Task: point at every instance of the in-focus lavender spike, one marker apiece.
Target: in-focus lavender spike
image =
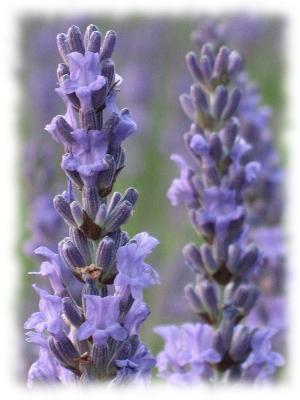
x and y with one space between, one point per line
89 333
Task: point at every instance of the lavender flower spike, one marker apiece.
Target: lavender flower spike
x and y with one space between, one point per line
228 263
87 326
265 199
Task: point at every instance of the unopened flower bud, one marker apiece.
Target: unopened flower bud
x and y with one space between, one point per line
241 343
193 66
108 45
193 257
75 40
209 296
71 312
219 101
232 104
118 216
105 253
63 208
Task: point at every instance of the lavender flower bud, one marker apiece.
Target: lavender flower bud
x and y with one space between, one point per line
118 216
193 300
245 298
237 180
71 255
94 43
193 257
114 200
227 326
187 105
83 244
208 51
229 133
210 173
220 248
75 178
234 63
232 104
105 254
64 130
63 47
215 147
88 33
208 259
248 260
106 177
90 119
108 71
219 101
130 195
100 357
205 68
209 296
200 98
64 350
206 227
221 61
71 312
98 98
75 40
77 213
193 66
63 208
90 201
101 215
108 45
241 343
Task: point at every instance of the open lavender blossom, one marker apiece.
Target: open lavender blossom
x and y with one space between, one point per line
87 326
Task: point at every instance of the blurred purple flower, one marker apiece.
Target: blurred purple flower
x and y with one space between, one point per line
262 362
187 354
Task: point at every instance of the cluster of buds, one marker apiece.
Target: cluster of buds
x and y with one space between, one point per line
88 322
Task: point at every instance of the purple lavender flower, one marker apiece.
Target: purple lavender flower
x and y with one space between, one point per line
90 325
47 370
101 322
188 353
134 274
49 317
262 362
182 191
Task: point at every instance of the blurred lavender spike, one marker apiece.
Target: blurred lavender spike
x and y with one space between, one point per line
228 261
